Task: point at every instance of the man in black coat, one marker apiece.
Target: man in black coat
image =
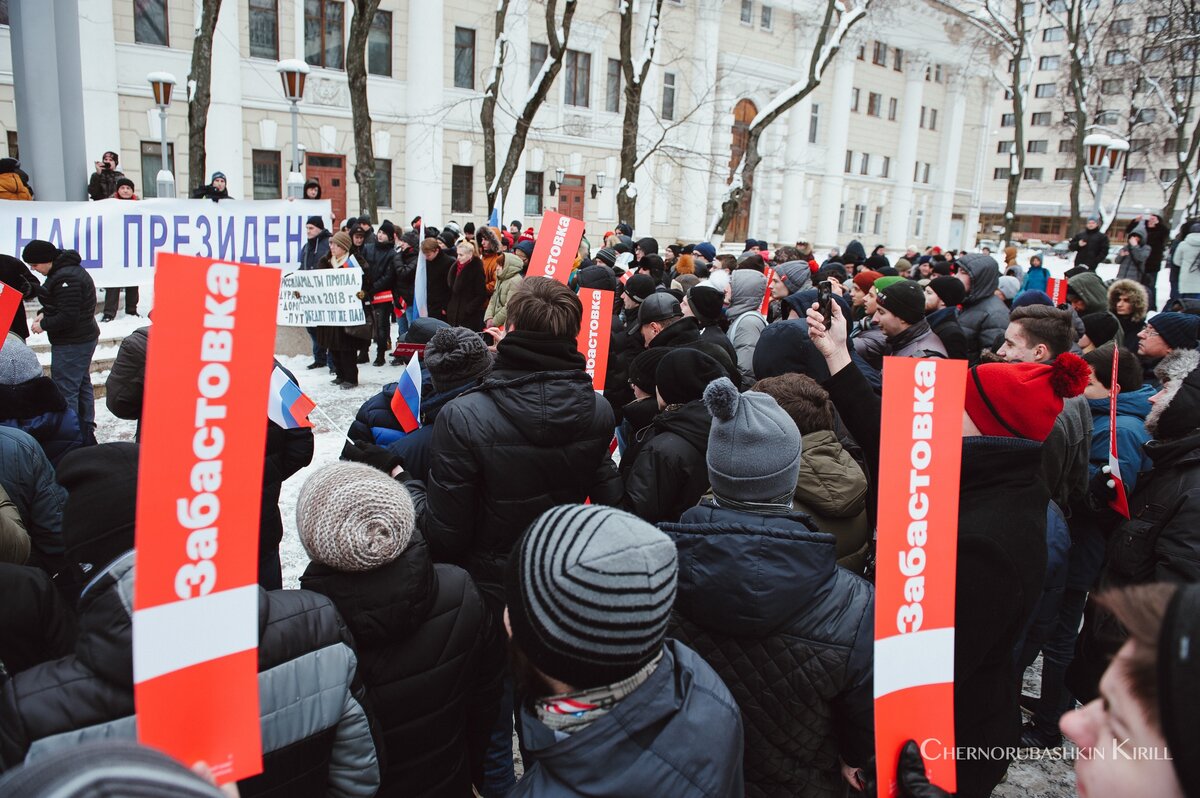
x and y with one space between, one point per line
404 279
68 316
438 262
1157 233
216 190
943 295
378 256
1090 245
315 248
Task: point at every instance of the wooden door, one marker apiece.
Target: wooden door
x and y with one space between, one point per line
570 196
743 114
330 171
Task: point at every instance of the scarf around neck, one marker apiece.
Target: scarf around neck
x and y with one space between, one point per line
538 351
576 711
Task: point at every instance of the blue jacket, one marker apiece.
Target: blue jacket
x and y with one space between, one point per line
678 734
28 479
38 408
1036 279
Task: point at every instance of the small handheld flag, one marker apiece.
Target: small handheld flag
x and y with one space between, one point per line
406 401
287 405
420 284
1120 502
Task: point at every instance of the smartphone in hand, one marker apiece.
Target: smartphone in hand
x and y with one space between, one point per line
825 302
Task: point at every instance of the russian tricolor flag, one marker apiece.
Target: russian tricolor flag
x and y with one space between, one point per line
406 401
287 405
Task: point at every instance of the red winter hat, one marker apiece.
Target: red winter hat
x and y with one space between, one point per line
865 279
1022 400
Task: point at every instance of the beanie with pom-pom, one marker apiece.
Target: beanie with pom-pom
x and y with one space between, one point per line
753 446
1022 400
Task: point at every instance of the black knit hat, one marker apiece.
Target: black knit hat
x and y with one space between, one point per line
639 286
316 221
456 356
597 275
98 515
643 370
904 298
388 229
38 251
125 181
706 303
423 329
1129 369
949 289
590 591
1100 328
1178 330
607 256
684 373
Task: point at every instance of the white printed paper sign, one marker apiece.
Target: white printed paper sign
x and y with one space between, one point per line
321 298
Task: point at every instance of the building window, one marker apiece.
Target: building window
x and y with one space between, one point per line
1066 146
1112 86
917 172
864 164
1135 145
765 20
892 105
533 193
919 224
886 169
1108 118
877 228
925 173
538 53
379 45
462 184
923 115
1004 147
3 12
1040 119
383 182
879 56
1168 175
612 97
579 78
1054 34
1008 120
668 97
1156 24
150 22
1145 116
933 119
862 56
849 161
264 29
1063 173
874 104
1152 54
1033 173
1135 175
1116 57
151 163
1038 146
464 58
860 219
897 59
1049 63
854 99
1172 146
814 122
1000 173
323 42
14 148
266 171
1023 64
747 12
1045 90
937 73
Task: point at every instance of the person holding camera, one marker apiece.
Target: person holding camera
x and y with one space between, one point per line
103 183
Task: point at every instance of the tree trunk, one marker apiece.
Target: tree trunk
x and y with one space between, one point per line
487 111
201 73
1075 34
1018 106
635 81
356 74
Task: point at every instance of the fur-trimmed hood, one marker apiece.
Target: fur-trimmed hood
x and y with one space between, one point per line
1138 297
1174 414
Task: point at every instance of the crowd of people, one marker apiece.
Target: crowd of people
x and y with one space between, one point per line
663 588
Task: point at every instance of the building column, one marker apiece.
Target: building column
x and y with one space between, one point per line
424 164
98 49
900 221
971 225
48 88
948 155
837 132
224 138
697 216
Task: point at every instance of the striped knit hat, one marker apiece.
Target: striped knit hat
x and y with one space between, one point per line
589 593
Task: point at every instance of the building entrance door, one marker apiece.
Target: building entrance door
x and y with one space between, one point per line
570 196
330 171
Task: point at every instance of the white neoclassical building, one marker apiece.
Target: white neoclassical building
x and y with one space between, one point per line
889 149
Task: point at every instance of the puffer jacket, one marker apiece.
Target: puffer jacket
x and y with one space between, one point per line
126 383
790 633
430 664
549 423
1186 258
38 408
12 187
375 422
378 268
944 323
1132 265
28 479
832 490
316 737
984 316
868 341
919 340
669 473
746 324
314 249
508 279
68 298
648 744
1090 247
1065 453
1036 279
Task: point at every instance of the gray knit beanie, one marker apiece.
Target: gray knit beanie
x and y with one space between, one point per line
456 356
589 591
353 517
18 363
753 445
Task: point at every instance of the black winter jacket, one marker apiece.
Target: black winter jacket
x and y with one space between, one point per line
311 747
686 333
68 298
669 474
437 284
1090 247
378 268
468 295
944 323
522 442
431 665
126 383
762 599
1001 569
404 276
37 624
314 250
38 408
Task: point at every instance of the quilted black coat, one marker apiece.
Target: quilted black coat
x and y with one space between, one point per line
667 473
762 600
430 663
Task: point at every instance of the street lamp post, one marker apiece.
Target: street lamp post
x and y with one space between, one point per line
162 84
292 73
1105 156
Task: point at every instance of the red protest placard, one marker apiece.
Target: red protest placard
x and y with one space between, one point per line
1056 287
557 245
921 449
10 302
195 620
595 333
766 303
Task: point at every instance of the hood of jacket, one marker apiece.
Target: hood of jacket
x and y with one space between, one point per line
855 252
30 399
105 640
510 269
488 234
549 407
1131 403
748 288
386 604
985 276
65 260
1089 287
830 482
1134 291
692 422
785 348
743 574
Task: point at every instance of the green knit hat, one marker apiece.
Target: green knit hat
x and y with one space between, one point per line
884 282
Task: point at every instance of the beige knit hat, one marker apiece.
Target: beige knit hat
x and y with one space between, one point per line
353 517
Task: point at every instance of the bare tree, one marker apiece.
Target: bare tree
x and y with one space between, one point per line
634 71
838 18
1004 25
356 76
200 91
556 35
